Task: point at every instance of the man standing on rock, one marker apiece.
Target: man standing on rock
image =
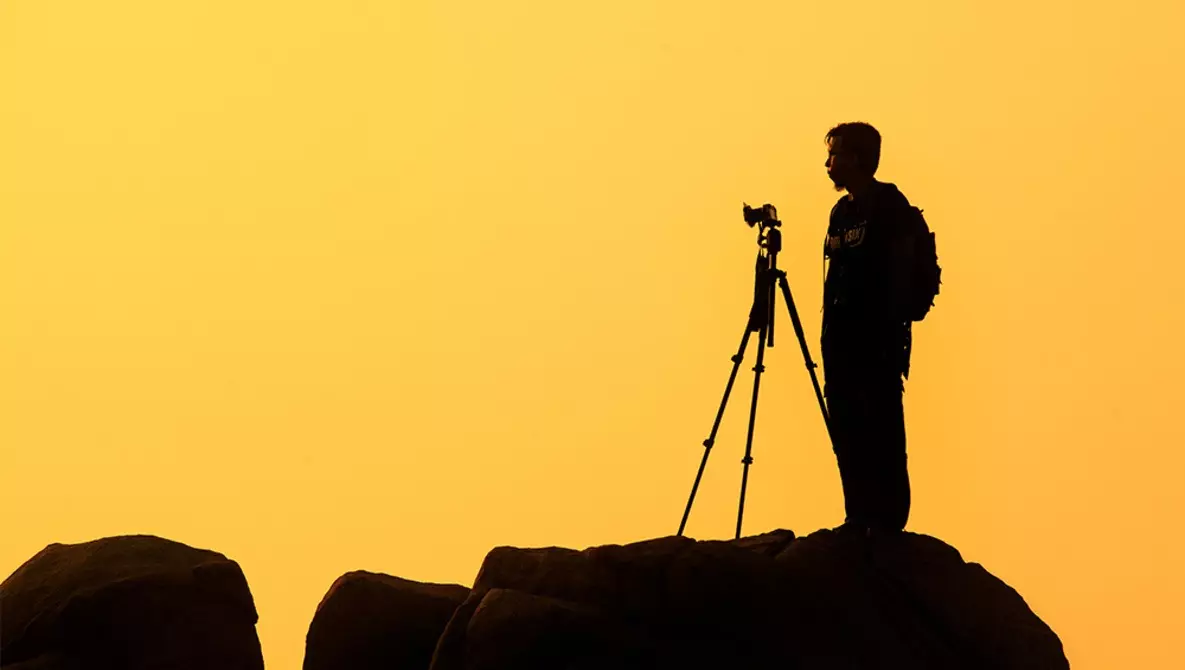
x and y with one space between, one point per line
870 297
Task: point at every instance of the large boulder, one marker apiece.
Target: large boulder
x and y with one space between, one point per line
372 621
128 602
822 601
912 597
667 602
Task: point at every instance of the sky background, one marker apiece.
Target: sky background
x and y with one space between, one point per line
327 286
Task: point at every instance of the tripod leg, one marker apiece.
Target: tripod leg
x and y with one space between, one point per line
736 364
771 305
806 352
757 369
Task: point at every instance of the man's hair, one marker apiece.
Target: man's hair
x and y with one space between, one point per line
861 139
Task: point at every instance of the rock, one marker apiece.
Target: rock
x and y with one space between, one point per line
827 600
668 601
128 602
52 661
823 601
957 606
450 648
512 629
913 596
769 544
369 620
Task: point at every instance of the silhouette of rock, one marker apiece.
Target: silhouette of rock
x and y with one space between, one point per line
374 621
512 629
128 602
823 601
48 662
827 600
913 597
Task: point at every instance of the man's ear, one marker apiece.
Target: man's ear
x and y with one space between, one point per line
858 165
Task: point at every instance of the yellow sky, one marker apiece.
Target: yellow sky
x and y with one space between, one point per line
347 285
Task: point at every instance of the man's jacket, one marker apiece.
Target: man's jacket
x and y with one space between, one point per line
864 331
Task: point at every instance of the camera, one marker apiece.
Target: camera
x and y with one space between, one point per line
765 215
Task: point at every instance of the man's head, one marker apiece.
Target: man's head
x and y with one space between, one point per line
853 154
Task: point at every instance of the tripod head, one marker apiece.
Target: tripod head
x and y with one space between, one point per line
766 218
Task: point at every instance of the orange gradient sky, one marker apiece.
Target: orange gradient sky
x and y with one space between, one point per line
344 285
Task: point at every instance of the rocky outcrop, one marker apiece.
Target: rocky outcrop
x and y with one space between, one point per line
827 600
128 602
823 601
370 621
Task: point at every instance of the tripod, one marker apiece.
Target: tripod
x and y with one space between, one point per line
761 321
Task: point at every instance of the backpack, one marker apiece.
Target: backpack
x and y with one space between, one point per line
925 275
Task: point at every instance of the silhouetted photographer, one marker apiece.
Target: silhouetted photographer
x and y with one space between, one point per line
882 276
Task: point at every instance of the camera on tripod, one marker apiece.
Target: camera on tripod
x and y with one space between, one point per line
766 215
766 280
768 237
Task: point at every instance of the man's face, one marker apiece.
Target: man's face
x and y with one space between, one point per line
841 164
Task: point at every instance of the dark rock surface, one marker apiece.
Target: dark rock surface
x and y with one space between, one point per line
823 601
128 602
374 621
827 600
